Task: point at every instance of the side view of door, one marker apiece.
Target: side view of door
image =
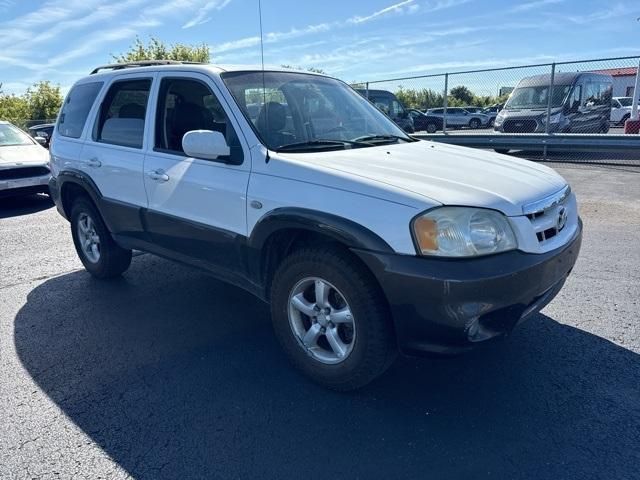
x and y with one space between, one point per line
113 153
196 207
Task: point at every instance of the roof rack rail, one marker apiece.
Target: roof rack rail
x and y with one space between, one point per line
141 63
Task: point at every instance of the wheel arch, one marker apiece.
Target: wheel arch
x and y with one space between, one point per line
283 230
73 183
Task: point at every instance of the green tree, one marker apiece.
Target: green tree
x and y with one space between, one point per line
43 100
421 99
40 102
462 94
158 50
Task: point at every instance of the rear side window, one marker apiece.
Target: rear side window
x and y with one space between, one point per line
122 114
76 109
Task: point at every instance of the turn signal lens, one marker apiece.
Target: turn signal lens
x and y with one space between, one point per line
426 231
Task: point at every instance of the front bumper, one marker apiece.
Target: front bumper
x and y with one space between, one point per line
450 305
25 185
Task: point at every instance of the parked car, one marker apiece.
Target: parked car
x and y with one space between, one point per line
391 106
492 113
363 239
620 110
580 103
458 117
24 164
473 109
44 131
423 122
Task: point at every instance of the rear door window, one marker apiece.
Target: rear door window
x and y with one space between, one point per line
122 113
76 108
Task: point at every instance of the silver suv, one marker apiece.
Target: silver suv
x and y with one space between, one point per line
459 117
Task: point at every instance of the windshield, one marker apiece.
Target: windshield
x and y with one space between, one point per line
625 101
10 136
308 112
537 97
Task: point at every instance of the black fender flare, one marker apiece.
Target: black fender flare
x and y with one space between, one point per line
81 179
343 230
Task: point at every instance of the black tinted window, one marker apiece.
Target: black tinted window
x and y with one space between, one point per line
122 113
185 105
76 108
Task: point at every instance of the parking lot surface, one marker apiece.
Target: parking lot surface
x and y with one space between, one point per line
168 373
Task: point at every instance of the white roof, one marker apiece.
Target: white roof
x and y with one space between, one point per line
193 67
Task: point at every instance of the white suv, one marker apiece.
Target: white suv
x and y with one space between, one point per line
364 240
620 110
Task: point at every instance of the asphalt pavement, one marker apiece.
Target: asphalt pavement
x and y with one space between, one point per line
170 374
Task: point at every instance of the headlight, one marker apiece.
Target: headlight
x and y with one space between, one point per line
499 119
552 119
462 232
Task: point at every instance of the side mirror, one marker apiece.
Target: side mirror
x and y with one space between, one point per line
404 114
205 144
41 140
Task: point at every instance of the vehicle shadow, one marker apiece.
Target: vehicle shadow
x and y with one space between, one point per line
176 375
24 205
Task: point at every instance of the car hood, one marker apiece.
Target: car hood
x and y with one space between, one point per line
23 155
445 174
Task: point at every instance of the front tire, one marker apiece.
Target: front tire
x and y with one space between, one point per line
474 124
331 318
431 128
98 252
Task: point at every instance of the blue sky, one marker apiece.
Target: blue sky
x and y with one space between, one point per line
62 40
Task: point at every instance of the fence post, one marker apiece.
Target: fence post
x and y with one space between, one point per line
367 90
549 103
636 96
444 103
549 97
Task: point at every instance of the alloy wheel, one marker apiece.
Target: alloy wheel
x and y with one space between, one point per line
89 238
321 320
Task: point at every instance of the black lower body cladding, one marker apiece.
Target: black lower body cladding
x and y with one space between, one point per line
450 305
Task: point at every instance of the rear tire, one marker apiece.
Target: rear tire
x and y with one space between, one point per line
431 128
624 119
98 252
365 348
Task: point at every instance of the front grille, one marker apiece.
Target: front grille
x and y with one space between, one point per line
549 217
519 126
23 172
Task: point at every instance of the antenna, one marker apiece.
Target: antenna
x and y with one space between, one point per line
264 87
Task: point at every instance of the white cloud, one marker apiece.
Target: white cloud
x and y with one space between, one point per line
392 8
203 15
523 7
605 14
272 37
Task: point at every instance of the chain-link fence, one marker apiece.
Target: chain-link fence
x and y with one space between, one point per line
543 101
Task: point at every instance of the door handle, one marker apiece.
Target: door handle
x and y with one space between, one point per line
158 175
94 162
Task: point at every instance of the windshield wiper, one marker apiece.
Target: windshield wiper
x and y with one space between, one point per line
382 138
321 143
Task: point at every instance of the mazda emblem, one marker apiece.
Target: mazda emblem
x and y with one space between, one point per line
562 218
